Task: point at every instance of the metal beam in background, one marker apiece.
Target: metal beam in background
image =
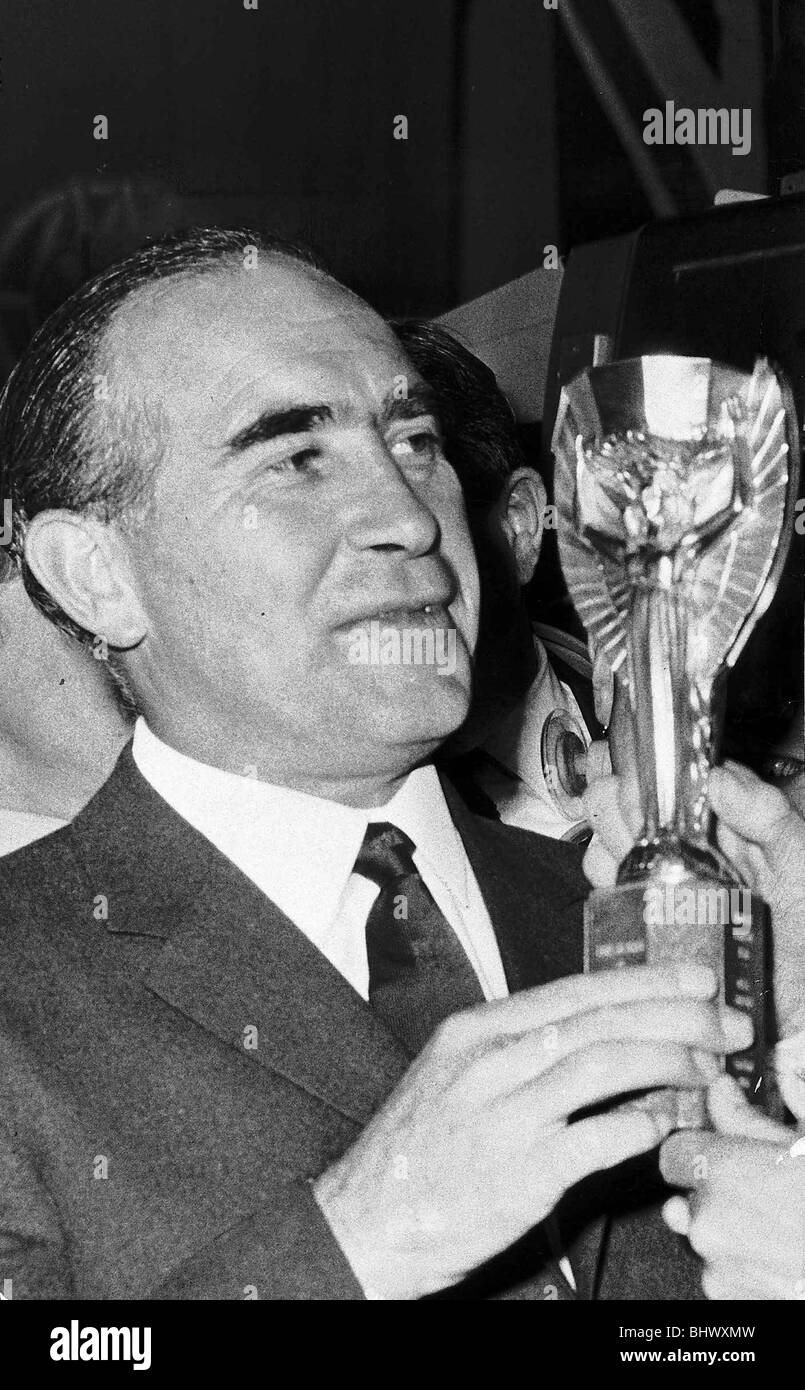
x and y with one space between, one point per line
671 56
626 124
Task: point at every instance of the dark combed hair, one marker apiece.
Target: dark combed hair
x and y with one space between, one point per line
480 431
63 443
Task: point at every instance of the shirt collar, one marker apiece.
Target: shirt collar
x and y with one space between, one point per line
300 849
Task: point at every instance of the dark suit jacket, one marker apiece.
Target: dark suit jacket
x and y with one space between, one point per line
177 1061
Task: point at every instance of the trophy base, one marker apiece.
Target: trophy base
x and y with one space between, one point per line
691 918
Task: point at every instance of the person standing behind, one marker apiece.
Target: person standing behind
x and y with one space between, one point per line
530 680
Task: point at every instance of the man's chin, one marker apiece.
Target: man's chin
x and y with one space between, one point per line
418 706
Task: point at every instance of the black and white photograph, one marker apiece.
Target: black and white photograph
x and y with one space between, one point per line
402 655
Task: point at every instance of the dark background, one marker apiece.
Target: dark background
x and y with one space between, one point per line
284 116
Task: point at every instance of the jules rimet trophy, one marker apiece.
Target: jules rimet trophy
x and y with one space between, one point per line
675 486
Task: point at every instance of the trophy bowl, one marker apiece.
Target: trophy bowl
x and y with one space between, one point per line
675 486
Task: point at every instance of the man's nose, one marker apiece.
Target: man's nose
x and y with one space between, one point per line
390 513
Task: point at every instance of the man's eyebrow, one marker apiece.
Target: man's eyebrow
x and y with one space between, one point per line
272 424
300 419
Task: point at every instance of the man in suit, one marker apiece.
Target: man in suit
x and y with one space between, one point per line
280 1017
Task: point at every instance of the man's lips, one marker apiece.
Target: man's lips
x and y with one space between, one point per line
432 609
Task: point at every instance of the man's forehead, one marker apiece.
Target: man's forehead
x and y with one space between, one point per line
188 334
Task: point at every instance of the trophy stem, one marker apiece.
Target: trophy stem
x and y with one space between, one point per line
670 722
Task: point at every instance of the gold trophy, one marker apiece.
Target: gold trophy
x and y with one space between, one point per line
675 487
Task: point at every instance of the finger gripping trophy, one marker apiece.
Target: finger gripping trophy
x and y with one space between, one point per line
675 485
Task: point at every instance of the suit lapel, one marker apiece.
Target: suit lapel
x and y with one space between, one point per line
231 960
533 889
247 967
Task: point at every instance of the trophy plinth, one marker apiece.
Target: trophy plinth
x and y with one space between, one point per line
675 483
685 916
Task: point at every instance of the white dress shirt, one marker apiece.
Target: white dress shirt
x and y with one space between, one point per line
300 851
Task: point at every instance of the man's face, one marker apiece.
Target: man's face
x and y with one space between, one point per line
303 508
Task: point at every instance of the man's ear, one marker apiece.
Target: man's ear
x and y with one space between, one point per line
521 509
80 562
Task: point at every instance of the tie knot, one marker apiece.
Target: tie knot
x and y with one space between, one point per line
385 855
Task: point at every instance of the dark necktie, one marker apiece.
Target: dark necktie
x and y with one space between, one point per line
419 973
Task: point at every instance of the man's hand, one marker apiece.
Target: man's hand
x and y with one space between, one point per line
760 832
764 836
612 808
745 1214
475 1146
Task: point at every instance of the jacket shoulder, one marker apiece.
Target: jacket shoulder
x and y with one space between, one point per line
42 888
38 863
